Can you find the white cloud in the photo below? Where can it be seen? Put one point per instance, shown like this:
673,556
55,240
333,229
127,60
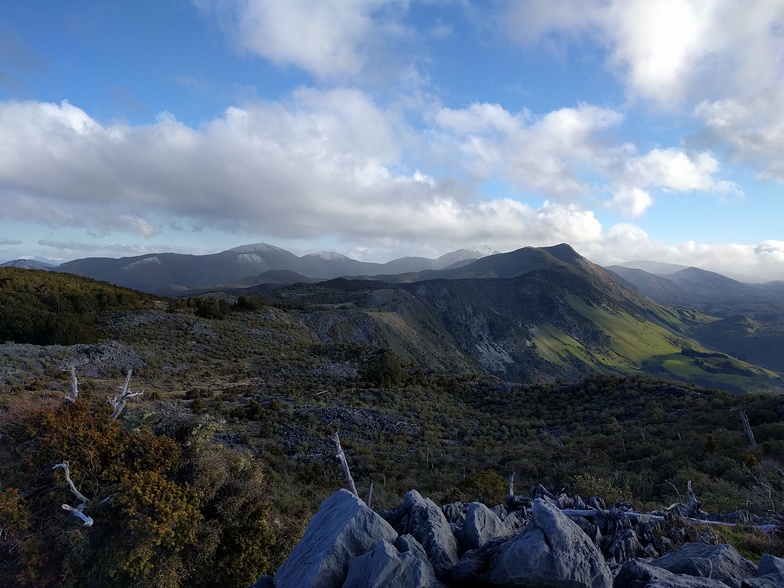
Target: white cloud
331,165
631,201
321,163
752,130
544,155
722,58
570,154
668,50
329,38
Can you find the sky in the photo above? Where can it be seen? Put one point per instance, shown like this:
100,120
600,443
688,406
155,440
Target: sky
630,129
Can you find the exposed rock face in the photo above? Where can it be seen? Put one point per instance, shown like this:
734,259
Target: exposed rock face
481,524
717,562
422,519
554,551
770,574
385,567
636,574
342,529
551,551
347,545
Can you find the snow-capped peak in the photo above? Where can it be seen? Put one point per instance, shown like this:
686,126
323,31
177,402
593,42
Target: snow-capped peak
330,256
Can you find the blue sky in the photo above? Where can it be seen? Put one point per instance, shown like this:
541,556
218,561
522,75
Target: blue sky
380,128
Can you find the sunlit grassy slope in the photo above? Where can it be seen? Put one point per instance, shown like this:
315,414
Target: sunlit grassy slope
637,345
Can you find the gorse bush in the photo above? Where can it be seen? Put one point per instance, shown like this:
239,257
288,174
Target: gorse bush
166,509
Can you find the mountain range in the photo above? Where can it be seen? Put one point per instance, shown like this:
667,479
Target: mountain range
533,314
248,265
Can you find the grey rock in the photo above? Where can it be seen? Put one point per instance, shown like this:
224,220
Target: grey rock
625,545
454,512
636,574
770,564
552,551
717,562
421,518
770,573
342,529
481,524
385,567
407,543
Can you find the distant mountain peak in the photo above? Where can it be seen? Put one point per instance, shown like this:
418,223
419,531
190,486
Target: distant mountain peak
482,250
29,264
330,256
135,265
256,248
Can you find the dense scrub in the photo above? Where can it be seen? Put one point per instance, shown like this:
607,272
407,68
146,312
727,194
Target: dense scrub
169,504
48,308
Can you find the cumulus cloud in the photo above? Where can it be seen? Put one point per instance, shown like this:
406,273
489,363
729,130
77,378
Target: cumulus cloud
333,164
329,38
665,51
723,59
752,129
322,163
569,153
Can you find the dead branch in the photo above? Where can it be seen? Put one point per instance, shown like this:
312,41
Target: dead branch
694,504
747,428
369,495
77,511
674,487
118,402
74,385
344,462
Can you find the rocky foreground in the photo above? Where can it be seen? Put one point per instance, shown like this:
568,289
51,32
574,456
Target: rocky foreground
536,541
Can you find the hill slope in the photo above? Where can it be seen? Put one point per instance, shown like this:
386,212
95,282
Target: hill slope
568,319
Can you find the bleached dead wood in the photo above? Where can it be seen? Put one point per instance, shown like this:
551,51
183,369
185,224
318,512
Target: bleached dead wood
369,495
118,402
694,504
591,513
74,385
747,428
78,510
344,462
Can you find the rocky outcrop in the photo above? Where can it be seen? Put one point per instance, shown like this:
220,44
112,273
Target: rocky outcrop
480,525
717,562
637,574
546,542
550,551
422,519
342,529
386,567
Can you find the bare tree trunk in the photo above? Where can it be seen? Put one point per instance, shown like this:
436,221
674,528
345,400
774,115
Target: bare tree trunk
344,462
369,495
74,385
694,504
511,484
747,429
118,402
674,487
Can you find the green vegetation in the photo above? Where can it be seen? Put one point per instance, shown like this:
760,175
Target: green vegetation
48,308
167,507
215,469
